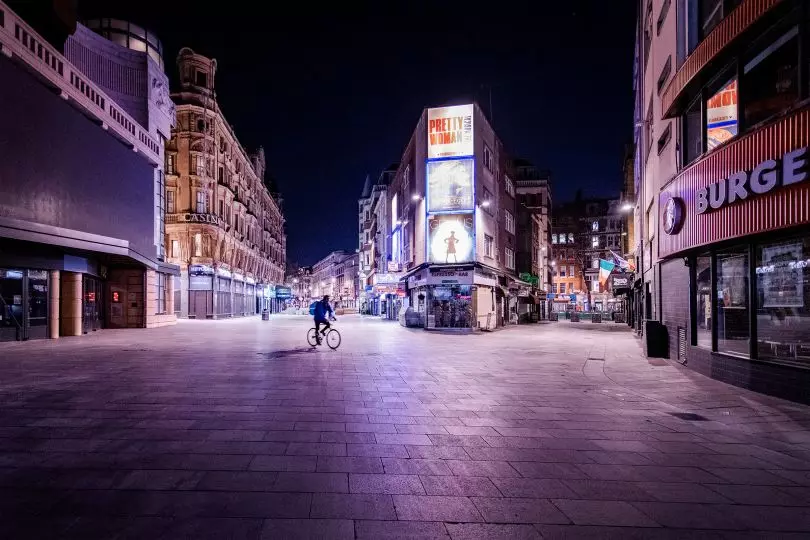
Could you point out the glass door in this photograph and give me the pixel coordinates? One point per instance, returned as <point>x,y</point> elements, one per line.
<point>11,305</point>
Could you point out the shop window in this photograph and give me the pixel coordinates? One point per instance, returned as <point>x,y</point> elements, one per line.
<point>722,122</point>
<point>703,301</point>
<point>733,331</point>
<point>692,133</point>
<point>771,79</point>
<point>160,294</point>
<point>783,295</point>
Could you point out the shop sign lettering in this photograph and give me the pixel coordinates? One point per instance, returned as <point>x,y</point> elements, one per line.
<point>768,175</point>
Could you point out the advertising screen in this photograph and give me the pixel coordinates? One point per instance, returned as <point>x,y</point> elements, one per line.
<point>451,238</point>
<point>450,131</point>
<point>721,115</point>
<point>450,185</point>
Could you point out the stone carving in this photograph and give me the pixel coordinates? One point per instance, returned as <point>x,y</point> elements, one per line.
<point>160,95</point>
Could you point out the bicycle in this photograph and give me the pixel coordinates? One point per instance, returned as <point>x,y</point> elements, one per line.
<point>332,338</point>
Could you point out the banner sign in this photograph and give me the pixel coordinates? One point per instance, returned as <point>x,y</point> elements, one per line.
<point>283,292</point>
<point>721,115</point>
<point>450,238</point>
<point>451,277</point>
<point>450,131</point>
<point>450,185</point>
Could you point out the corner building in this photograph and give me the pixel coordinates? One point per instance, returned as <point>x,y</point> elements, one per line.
<point>453,222</point>
<point>224,224</point>
<point>81,182</point>
<point>734,221</point>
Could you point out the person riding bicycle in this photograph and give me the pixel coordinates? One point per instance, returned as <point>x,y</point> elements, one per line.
<point>322,307</point>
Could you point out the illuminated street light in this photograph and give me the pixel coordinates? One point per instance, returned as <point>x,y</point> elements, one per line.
<point>627,207</point>
<point>485,204</point>
<point>416,197</point>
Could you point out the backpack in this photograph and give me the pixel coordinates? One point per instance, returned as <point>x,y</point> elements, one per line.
<point>312,308</point>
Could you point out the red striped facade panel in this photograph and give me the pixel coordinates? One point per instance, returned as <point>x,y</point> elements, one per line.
<point>729,28</point>
<point>780,208</point>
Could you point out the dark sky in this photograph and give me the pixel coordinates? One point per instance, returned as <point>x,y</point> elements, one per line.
<point>334,93</point>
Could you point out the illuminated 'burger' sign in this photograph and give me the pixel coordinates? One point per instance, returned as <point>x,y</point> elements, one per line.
<point>769,174</point>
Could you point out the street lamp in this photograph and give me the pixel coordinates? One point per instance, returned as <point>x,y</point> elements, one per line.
<point>485,203</point>
<point>416,197</point>
<point>627,207</point>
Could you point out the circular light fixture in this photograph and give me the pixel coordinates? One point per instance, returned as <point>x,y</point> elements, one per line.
<point>485,204</point>
<point>416,197</point>
<point>627,207</point>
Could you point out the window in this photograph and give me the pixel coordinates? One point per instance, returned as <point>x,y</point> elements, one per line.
<point>510,258</point>
<point>711,13</point>
<point>201,79</point>
<point>170,163</point>
<point>595,241</point>
<point>510,186</point>
<point>562,271</point>
<point>648,127</point>
<point>175,248</point>
<point>198,245</point>
<point>665,137</point>
<point>553,238</point>
<point>703,301</point>
<point>170,207</point>
<point>160,306</point>
<point>554,288</point>
<point>721,115</point>
<point>202,200</point>
<point>199,163</point>
<point>771,79</point>
<point>595,226</point>
<point>161,213</point>
<point>509,220</point>
<point>595,263</point>
<point>647,32</point>
<point>783,301</point>
<point>221,208</point>
<point>666,71</point>
<point>571,271</point>
<point>394,208</point>
<point>662,16</point>
<point>221,175</point>
<point>595,285</point>
<point>201,125</point>
<point>733,331</point>
<point>570,238</point>
<point>488,245</point>
<point>488,158</point>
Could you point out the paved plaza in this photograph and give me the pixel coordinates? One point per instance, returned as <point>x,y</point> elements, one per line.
<point>237,429</point>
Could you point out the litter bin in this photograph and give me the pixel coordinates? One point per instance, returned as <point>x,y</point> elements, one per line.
<point>265,315</point>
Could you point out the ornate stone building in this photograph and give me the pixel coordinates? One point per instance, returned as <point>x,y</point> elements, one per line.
<point>224,225</point>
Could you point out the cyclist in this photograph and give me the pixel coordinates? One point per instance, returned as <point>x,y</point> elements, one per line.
<point>322,307</point>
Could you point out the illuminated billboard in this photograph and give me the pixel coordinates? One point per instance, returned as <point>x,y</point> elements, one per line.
<point>721,115</point>
<point>450,185</point>
<point>450,132</point>
<point>451,238</point>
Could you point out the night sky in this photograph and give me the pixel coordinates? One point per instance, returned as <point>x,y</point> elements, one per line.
<point>334,93</point>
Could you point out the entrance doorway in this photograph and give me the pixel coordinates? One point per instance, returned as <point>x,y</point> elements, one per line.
<point>23,304</point>
<point>92,304</point>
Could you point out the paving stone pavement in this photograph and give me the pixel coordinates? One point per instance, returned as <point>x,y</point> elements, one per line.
<point>237,429</point>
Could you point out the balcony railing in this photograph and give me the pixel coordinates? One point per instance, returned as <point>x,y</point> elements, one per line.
<point>737,21</point>
<point>19,40</point>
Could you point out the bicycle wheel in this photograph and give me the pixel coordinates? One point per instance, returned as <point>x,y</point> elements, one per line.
<point>312,339</point>
<point>333,339</point>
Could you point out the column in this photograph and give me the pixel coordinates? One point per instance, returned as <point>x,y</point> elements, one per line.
<point>53,305</point>
<point>169,294</point>
<point>71,303</point>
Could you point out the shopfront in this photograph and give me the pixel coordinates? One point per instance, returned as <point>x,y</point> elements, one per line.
<point>452,298</point>
<point>238,295</point>
<point>23,304</point>
<point>251,305</point>
<point>736,274</point>
<point>201,291</point>
<point>224,292</point>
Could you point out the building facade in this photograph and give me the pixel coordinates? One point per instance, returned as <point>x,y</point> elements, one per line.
<point>224,223</point>
<point>567,290</point>
<point>534,254</point>
<point>733,220</point>
<point>379,289</point>
<point>453,224</point>
<point>80,204</point>
<point>337,275</point>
